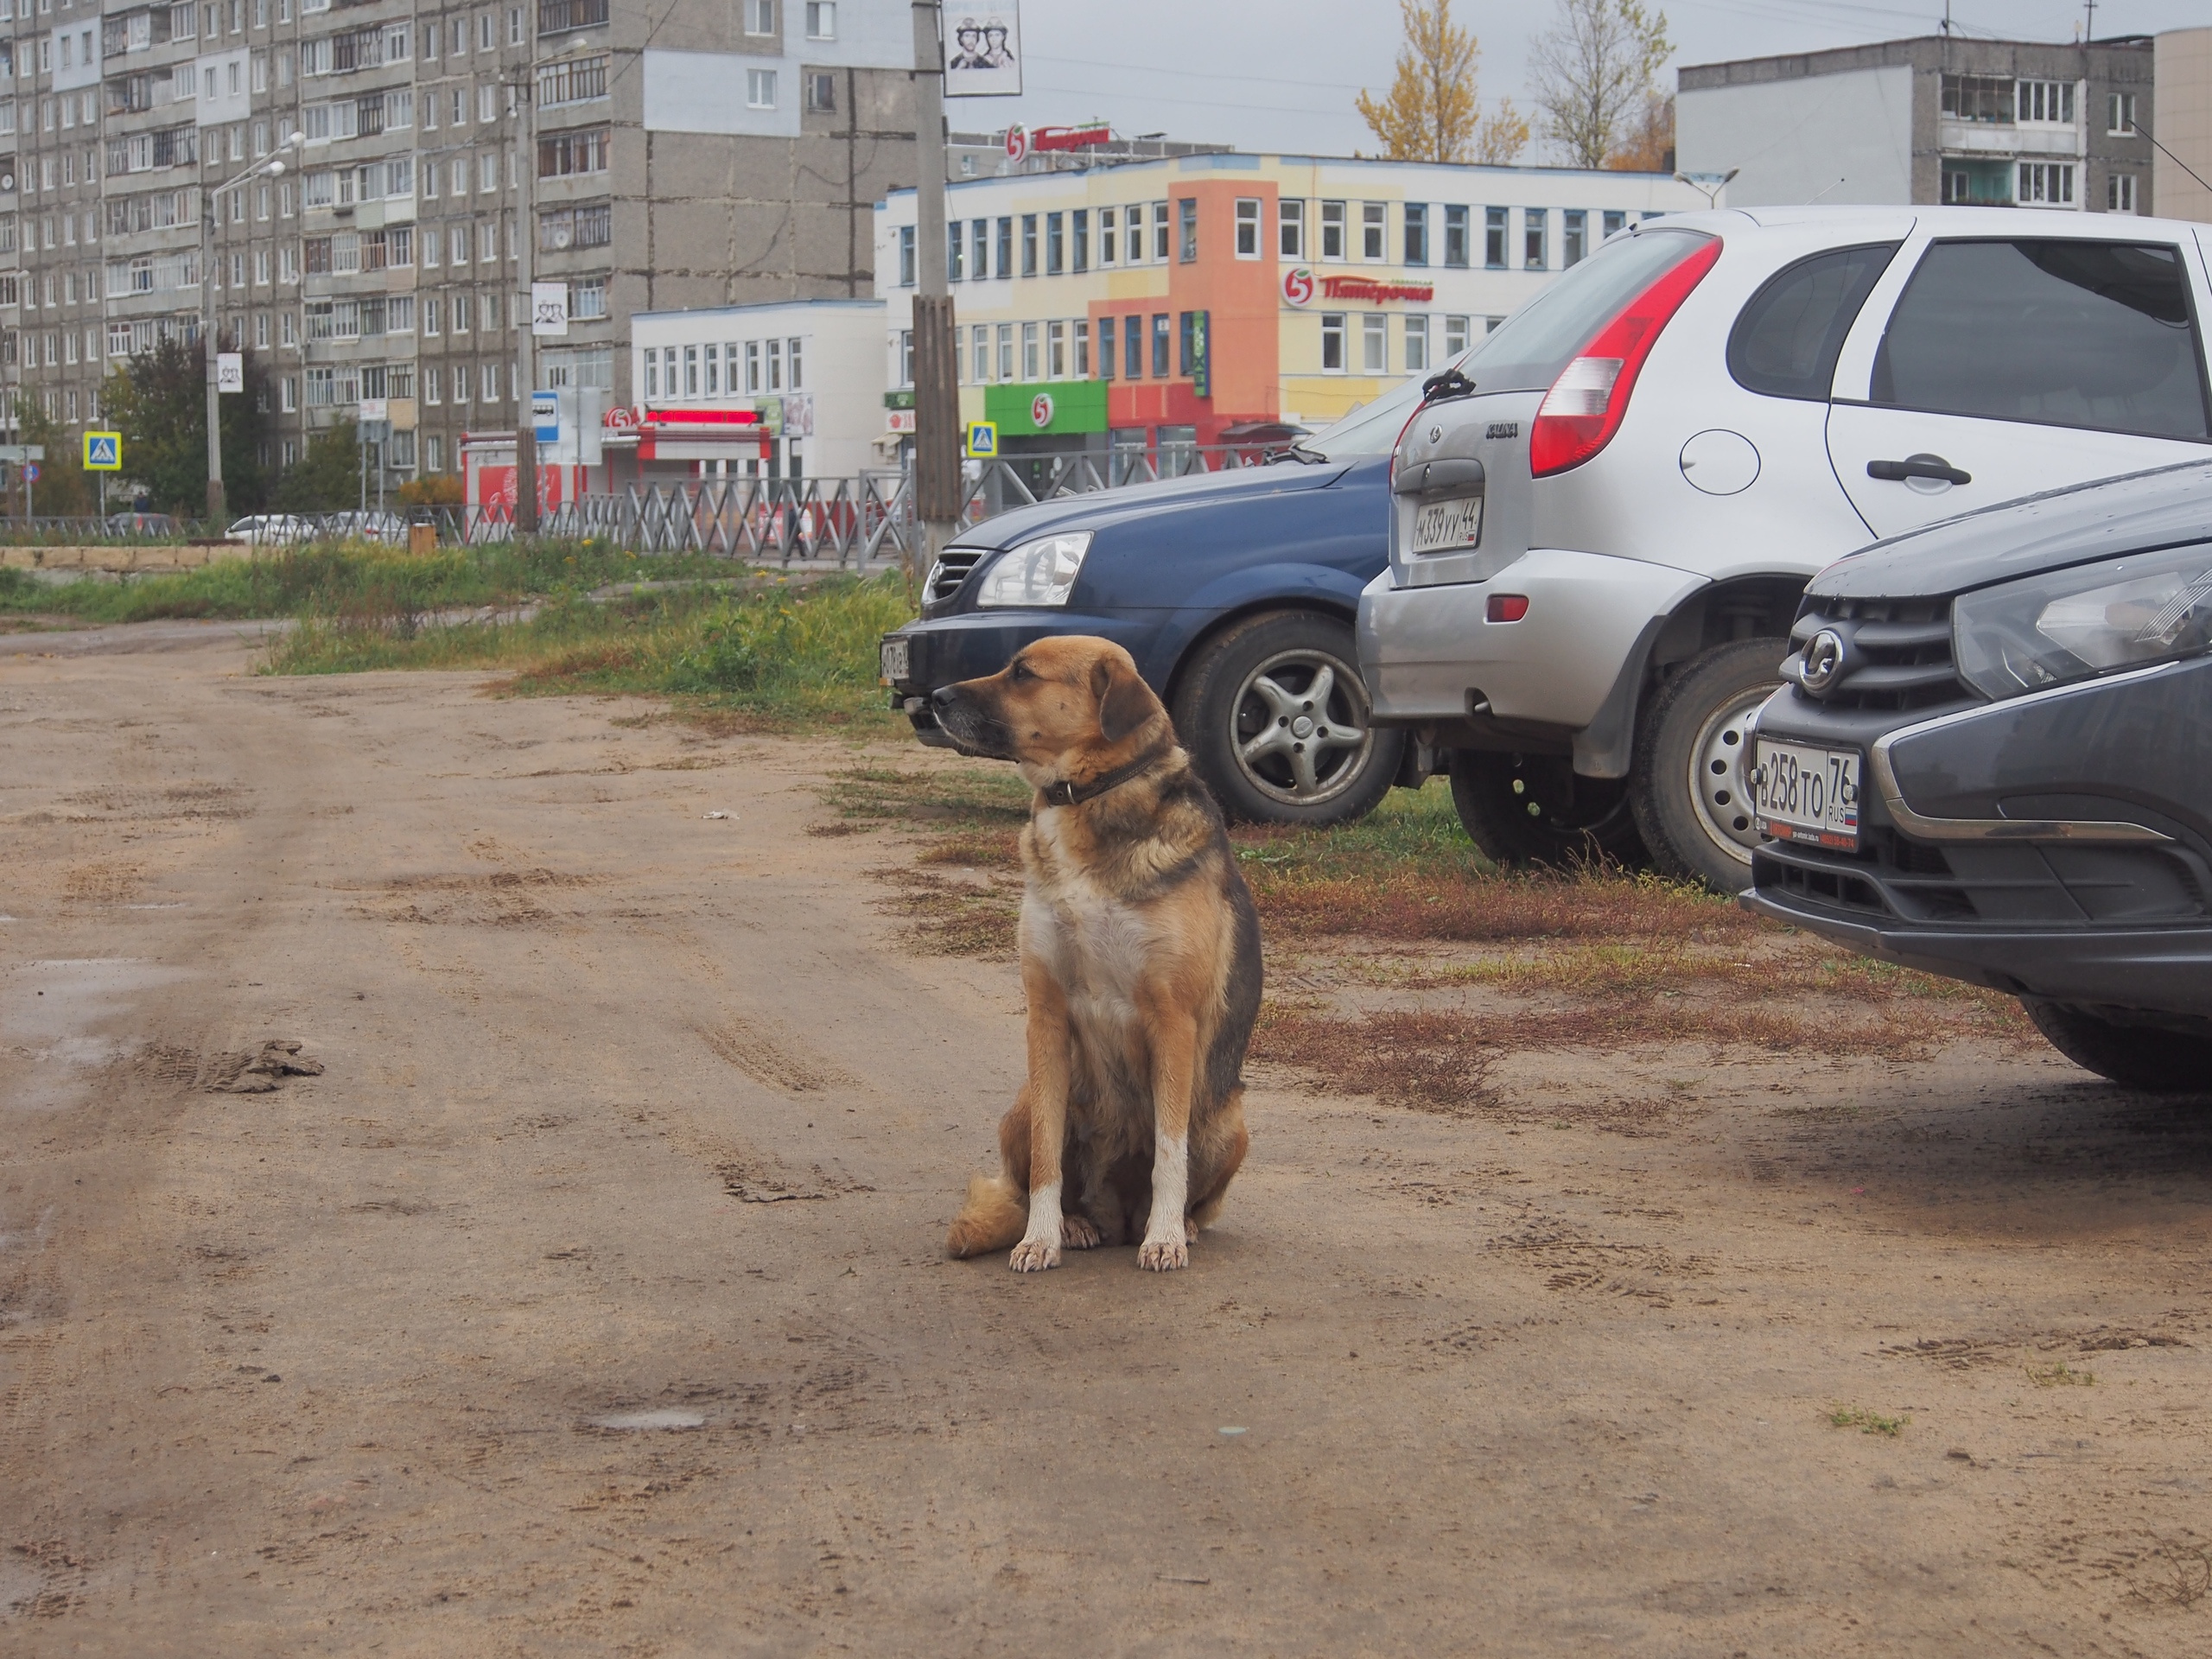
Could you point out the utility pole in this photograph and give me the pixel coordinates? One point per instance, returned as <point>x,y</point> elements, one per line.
<point>937,389</point>
<point>525,369</point>
<point>211,204</point>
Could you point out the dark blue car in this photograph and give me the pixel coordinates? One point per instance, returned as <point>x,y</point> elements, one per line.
<point>1236,592</point>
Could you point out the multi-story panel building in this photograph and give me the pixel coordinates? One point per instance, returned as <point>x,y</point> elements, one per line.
<point>653,158</point>
<point>1936,119</point>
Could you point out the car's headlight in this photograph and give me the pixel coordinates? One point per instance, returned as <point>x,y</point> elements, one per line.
<point>2071,625</point>
<point>1041,572</point>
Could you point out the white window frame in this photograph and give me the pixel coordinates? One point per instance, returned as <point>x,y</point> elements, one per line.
<point>1248,228</point>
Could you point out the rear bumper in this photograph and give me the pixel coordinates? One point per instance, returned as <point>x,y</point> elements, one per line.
<point>2161,970</point>
<point>1427,653</point>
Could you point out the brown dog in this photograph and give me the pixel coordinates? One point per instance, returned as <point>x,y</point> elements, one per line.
<point>1140,958</point>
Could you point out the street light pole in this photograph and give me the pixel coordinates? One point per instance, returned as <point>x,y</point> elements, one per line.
<point>525,386</point>
<point>936,389</point>
<point>211,204</point>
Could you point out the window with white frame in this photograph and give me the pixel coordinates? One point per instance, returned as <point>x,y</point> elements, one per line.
<point>1455,336</point>
<point>1416,344</point>
<point>1374,343</point>
<point>1332,342</point>
<point>2047,184</point>
<point>1332,230</point>
<point>1290,229</point>
<point>760,89</point>
<point>1370,230</point>
<point>2120,113</point>
<point>1248,228</point>
<point>2120,194</point>
<point>759,17</point>
<point>2046,103</point>
<point>820,20</point>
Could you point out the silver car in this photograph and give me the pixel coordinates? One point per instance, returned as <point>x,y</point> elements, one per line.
<point>1603,523</point>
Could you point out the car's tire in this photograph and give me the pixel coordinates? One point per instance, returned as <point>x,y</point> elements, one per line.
<point>1236,711</point>
<point>1531,809</point>
<point>1690,784</point>
<point>2148,1057</point>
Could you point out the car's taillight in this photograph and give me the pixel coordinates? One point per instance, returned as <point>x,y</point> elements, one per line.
<point>1586,405</point>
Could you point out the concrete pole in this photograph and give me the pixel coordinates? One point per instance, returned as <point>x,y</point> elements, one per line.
<point>936,391</point>
<point>525,369</point>
<point>218,515</point>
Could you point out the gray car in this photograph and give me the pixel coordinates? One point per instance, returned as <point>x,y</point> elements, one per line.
<point>1992,759</point>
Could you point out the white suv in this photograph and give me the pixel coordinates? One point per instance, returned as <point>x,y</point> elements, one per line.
<point>1603,521</point>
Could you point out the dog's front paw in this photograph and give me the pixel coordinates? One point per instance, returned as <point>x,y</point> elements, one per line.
<point>1077,1234</point>
<point>1164,1254</point>
<point>1034,1256</point>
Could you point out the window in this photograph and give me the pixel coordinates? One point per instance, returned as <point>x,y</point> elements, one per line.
<point>1105,348</point>
<point>1374,344</point>
<point>1332,230</point>
<point>759,17</point>
<point>1030,365</point>
<point>1029,244</point>
<point>1186,347</point>
<point>1786,340</point>
<point>1159,345</point>
<point>822,94</point>
<point>905,256</point>
<point>1416,233</point>
<point>1533,230</point>
<point>1006,248</point>
<point>1614,221</point>
<point>588,297</point>
<point>1455,238</point>
<point>1332,342</point>
<point>575,80</point>
<point>1416,344</point>
<point>820,20</point>
<point>2119,114</point>
<point>1574,236</point>
<point>2047,103</point>
<point>1108,235</point>
<point>1290,230</point>
<point>1187,216</point>
<point>952,251</point>
<point>760,89</point>
<point>1370,230</point>
<point>1056,351</point>
<point>981,336</point>
<point>568,153</point>
<point>1081,330</point>
<point>1455,337</point>
<point>2001,330</point>
<point>432,310</point>
<point>1986,98</point>
<point>1132,347</point>
<point>1494,237</point>
<point>690,371</point>
<point>1248,228</point>
<point>2120,194</point>
<point>2048,182</point>
<point>1160,233</point>
<point>1006,351</point>
<point>1055,243</point>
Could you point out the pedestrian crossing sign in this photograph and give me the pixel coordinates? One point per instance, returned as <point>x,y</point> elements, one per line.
<point>103,452</point>
<point>983,439</point>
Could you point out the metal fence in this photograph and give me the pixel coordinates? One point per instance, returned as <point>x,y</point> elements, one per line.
<point>856,524</point>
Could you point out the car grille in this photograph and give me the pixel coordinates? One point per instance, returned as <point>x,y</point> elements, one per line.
<point>1896,653</point>
<point>953,567</point>
<point>1893,878</point>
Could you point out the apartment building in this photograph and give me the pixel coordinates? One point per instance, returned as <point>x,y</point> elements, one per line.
<point>1940,119</point>
<point>654,157</point>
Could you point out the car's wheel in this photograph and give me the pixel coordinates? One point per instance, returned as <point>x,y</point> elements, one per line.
<point>1691,784</point>
<point>2148,1057</point>
<point>1276,719</point>
<point>1531,809</point>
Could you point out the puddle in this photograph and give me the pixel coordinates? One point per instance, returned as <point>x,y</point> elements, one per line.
<point>57,1015</point>
<point>667,1419</point>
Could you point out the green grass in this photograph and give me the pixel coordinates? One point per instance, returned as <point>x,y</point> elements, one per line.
<point>351,582</point>
<point>780,656</point>
<point>1866,1421</point>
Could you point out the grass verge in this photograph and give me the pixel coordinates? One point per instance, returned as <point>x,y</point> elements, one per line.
<point>363,585</point>
<point>780,658</point>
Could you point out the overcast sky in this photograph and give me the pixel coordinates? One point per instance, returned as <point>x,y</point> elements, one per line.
<point>1281,74</point>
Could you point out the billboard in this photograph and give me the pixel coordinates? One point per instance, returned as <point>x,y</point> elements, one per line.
<point>982,50</point>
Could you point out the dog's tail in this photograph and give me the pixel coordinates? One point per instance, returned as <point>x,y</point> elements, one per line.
<point>993,1219</point>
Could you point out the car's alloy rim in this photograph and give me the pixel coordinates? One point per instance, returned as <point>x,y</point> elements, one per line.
<point>1721,774</point>
<point>1300,727</point>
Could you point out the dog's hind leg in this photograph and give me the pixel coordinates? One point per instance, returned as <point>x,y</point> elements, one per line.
<point>997,1211</point>
<point>1218,1151</point>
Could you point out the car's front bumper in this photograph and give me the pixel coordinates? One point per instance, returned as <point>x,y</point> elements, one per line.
<point>1428,652</point>
<point>945,650</point>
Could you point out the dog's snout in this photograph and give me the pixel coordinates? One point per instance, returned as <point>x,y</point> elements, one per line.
<point>945,697</point>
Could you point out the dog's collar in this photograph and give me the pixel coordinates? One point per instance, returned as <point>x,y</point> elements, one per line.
<point>1061,792</point>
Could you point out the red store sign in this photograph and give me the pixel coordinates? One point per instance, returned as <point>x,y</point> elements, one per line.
<point>1366,288</point>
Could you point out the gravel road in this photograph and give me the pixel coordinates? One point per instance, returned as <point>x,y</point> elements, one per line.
<point>590,1299</point>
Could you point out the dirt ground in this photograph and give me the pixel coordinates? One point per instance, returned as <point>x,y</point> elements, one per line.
<point>591,1299</point>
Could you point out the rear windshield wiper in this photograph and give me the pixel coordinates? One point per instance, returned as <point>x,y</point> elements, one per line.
<point>1439,388</point>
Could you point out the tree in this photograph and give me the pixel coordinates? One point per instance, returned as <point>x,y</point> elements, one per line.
<point>65,489</point>
<point>1432,112</point>
<point>328,477</point>
<point>1594,71</point>
<point>158,400</point>
<point>1649,145</point>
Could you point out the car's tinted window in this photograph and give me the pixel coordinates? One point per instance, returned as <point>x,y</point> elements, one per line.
<point>2061,333</point>
<point>1786,340</point>
<point>1527,351</point>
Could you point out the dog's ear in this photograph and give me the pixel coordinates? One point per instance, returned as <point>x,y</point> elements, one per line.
<point>1125,702</point>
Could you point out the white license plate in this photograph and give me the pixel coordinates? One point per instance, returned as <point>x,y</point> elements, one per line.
<point>1802,793</point>
<point>1445,526</point>
<point>896,660</point>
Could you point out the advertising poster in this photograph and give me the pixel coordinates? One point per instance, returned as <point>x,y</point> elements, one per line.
<point>982,50</point>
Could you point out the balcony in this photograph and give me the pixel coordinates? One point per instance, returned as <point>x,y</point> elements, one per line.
<point>561,17</point>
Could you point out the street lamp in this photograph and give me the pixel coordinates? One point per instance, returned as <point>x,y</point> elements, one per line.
<point>1708,185</point>
<point>273,166</point>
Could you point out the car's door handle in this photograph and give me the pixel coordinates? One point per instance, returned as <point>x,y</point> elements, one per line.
<point>1934,467</point>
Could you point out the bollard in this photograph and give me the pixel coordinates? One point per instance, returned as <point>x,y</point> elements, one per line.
<point>421,538</point>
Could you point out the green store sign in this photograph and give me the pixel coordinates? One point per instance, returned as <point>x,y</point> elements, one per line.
<point>1047,408</point>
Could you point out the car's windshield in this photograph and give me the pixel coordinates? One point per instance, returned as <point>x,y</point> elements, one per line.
<point>1373,428</point>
